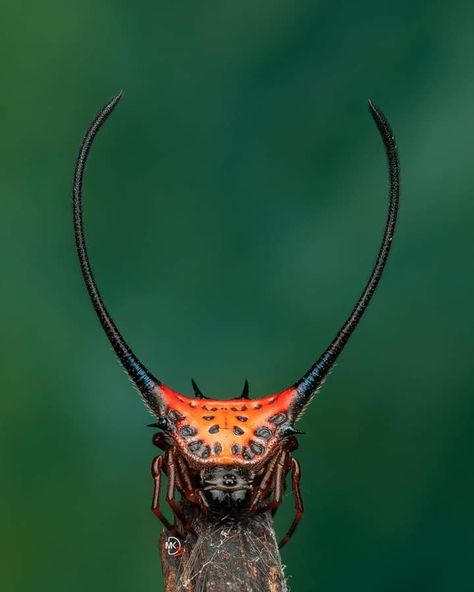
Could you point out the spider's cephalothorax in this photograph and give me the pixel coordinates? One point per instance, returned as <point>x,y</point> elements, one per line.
<point>233,455</point>
<point>228,487</point>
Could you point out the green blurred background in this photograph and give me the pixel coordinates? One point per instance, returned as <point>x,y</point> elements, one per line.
<point>234,205</point>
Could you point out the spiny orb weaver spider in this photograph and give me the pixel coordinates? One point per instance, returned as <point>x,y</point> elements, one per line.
<point>233,455</point>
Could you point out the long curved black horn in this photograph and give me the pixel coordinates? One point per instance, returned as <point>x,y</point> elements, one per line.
<point>307,386</point>
<point>146,383</point>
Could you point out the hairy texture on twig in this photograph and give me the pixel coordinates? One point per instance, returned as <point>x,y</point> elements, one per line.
<point>228,555</point>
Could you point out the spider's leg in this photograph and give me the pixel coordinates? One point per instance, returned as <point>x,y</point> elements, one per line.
<point>299,509</point>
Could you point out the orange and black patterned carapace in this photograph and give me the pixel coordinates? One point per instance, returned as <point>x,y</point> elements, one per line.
<point>241,432</point>
<point>234,453</point>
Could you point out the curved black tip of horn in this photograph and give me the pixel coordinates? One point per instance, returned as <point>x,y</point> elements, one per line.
<point>309,383</point>
<point>245,391</point>
<point>197,390</point>
<point>143,379</point>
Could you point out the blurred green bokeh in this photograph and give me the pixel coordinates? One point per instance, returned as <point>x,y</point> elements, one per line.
<point>234,205</point>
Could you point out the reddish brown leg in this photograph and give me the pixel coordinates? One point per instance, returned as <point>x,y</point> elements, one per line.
<point>187,488</point>
<point>171,472</point>
<point>280,474</point>
<point>160,441</point>
<point>156,469</point>
<point>262,490</point>
<point>203,500</point>
<point>295,485</point>
<point>274,510</point>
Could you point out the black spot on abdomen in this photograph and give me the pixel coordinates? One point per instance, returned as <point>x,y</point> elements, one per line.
<point>278,419</point>
<point>263,433</point>
<point>187,431</point>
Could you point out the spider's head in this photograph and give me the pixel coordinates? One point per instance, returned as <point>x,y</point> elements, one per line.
<point>227,487</point>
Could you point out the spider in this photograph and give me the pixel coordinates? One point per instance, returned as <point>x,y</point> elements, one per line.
<point>228,456</point>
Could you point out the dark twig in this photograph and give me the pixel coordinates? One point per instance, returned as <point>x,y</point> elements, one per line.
<point>226,556</point>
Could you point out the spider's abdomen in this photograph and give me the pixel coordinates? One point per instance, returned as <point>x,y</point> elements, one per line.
<point>233,432</point>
